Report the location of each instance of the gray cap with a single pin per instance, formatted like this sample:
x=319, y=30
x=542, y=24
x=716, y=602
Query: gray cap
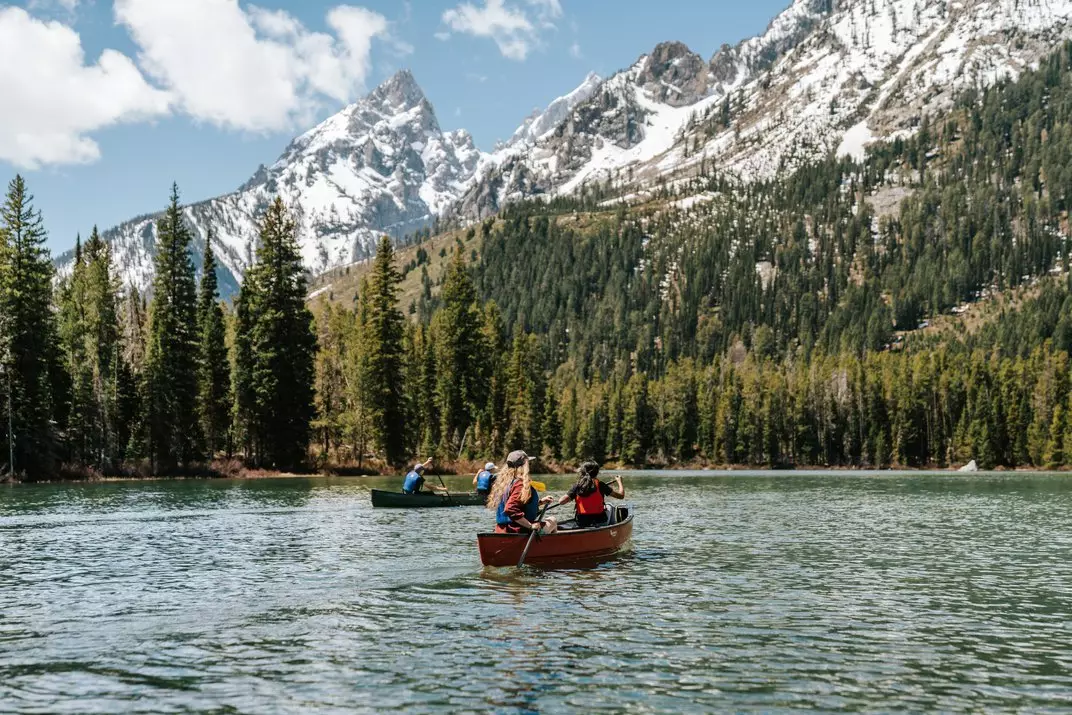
x=517, y=458
x=489, y=466
x=418, y=467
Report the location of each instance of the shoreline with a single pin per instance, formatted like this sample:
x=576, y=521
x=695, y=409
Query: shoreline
x=460, y=470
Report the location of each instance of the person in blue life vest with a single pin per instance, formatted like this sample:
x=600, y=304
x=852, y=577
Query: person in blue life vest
x=485, y=479
x=415, y=483
x=516, y=502
x=589, y=496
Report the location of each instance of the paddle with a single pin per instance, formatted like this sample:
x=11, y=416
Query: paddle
x=532, y=536
x=445, y=490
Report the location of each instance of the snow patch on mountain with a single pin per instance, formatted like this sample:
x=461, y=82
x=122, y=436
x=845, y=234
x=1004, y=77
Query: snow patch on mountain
x=827, y=76
x=381, y=165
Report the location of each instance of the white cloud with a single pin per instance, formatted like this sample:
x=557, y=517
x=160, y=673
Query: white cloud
x=514, y=30
x=250, y=69
x=68, y=5
x=53, y=99
x=575, y=51
x=547, y=11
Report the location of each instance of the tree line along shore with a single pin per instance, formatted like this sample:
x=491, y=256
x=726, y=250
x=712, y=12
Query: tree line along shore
x=792, y=321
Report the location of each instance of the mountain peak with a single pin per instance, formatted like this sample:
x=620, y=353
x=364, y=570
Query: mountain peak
x=398, y=93
x=540, y=122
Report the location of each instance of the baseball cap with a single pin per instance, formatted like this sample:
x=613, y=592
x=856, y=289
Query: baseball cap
x=517, y=458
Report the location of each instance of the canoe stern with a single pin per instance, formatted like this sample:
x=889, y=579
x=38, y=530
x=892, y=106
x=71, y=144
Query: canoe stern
x=561, y=547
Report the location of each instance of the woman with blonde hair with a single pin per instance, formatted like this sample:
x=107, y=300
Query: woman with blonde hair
x=516, y=502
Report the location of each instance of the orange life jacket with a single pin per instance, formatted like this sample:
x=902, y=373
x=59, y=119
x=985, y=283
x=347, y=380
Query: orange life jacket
x=591, y=504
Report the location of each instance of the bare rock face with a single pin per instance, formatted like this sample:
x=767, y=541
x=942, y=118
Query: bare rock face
x=827, y=76
x=674, y=75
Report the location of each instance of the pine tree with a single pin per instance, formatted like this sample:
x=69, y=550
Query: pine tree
x=29, y=345
x=637, y=422
x=461, y=364
x=331, y=326
x=383, y=331
x=73, y=333
x=552, y=428
x=275, y=347
x=213, y=377
x=172, y=429
x=524, y=391
x=571, y=427
x=1054, y=456
x=97, y=427
x=104, y=352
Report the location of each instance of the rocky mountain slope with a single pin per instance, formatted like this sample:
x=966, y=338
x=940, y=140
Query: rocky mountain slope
x=827, y=75
x=381, y=165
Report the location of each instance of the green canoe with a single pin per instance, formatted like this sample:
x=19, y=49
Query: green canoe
x=424, y=500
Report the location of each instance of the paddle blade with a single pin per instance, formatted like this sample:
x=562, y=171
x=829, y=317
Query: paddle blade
x=539, y=486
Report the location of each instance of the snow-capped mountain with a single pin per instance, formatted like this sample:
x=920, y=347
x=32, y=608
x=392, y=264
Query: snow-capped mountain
x=826, y=76
x=538, y=124
x=381, y=165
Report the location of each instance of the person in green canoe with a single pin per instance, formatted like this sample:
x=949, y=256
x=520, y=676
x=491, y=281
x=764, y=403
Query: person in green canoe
x=415, y=483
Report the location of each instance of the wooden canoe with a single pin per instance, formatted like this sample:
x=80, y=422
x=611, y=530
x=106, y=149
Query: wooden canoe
x=559, y=548
x=423, y=500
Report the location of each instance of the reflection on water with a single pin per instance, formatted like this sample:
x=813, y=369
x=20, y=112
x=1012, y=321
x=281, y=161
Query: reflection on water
x=740, y=592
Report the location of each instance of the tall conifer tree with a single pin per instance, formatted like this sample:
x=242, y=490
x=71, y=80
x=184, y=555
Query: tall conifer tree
x=104, y=350
x=213, y=369
x=29, y=341
x=383, y=333
x=97, y=425
x=461, y=360
x=170, y=400
x=276, y=347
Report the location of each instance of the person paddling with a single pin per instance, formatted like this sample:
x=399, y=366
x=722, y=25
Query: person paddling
x=516, y=502
x=590, y=494
x=415, y=483
x=485, y=480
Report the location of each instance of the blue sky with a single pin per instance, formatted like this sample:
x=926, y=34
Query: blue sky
x=112, y=100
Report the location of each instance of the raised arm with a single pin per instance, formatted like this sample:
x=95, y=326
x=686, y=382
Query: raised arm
x=618, y=493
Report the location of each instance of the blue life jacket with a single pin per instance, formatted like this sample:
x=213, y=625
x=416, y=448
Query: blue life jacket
x=532, y=509
x=413, y=483
x=484, y=481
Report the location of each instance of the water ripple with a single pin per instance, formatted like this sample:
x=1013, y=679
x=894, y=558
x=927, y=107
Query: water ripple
x=743, y=592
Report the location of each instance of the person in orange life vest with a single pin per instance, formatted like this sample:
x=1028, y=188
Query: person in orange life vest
x=589, y=495
x=516, y=502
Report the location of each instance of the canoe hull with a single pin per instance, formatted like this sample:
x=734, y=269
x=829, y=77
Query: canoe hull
x=398, y=500
x=559, y=548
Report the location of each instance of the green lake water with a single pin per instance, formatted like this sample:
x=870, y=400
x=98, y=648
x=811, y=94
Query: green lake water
x=740, y=592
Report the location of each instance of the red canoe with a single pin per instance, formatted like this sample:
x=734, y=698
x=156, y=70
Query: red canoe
x=560, y=547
